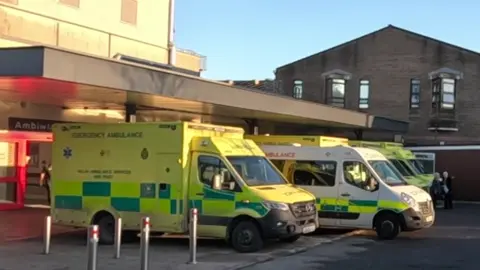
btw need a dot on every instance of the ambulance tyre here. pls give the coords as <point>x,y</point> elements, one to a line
<point>387,226</point>
<point>246,237</point>
<point>106,226</point>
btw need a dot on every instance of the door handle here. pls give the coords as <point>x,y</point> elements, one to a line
<point>200,194</point>
<point>345,194</point>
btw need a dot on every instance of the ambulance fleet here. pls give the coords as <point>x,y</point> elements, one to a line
<point>247,189</point>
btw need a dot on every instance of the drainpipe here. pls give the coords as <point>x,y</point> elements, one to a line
<point>172,52</point>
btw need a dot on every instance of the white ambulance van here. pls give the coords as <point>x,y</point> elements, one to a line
<point>355,188</point>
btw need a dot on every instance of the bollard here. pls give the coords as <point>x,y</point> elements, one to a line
<point>92,247</point>
<point>144,242</point>
<point>47,235</point>
<point>118,237</point>
<point>193,236</point>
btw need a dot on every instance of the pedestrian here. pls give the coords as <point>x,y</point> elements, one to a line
<point>435,189</point>
<point>45,177</point>
<point>448,190</point>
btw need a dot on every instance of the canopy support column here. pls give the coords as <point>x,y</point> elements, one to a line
<point>359,134</point>
<point>130,113</point>
<point>252,126</point>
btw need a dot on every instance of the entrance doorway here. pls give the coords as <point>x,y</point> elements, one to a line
<point>14,161</point>
<point>39,154</point>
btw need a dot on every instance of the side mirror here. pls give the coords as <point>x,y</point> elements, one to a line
<point>217,182</point>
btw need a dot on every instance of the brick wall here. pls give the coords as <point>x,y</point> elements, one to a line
<point>390,58</point>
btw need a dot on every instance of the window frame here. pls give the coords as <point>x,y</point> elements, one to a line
<point>316,162</point>
<point>123,12</point>
<point>225,166</point>
<point>453,83</point>
<point>415,82</point>
<point>339,102</point>
<point>297,89</point>
<point>438,94</point>
<point>353,184</point>
<point>361,100</point>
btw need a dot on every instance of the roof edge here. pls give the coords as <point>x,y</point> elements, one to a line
<point>336,46</point>
<point>390,26</point>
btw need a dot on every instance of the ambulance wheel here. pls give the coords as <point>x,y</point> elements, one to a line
<point>387,226</point>
<point>106,226</point>
<point>290,239</point>
<point>246,237</point>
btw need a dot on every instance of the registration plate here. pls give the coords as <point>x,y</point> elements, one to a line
<point>309,228</point>
<point>429,218</point>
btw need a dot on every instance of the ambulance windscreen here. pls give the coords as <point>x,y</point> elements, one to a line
<point>387,172</point>
<point>256,171</point>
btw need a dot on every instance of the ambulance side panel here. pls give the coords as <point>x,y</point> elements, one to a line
<point>127,170</point>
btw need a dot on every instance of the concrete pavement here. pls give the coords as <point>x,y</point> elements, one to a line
<point>26,223</point>
<point>452,243</point>
<point>68,252</point>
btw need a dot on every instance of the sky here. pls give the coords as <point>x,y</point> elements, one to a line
<point>248,39</point>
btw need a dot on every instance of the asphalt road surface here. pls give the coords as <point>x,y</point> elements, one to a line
<point>452,243</point>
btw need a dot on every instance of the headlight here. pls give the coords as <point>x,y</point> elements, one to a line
<point>408,200</point>
<point>276,205</point>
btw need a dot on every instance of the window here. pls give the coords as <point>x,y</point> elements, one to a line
<point>315,173</point>
<point>402,167</point>
<point>448,94</point>
<point>387,172</point>
<point>414,94</point>
<point>411,168</point>
<point>297,89</point>
<point>209,166</point>
<point>129,11</point>
<point>364,94</point>
<point>428,166</point>
<point>8,167</point>
<point>256,171</point>
<point>279,164</point>
<point>443,93</point>
<point>337,92</point>
<point>73,3</point>
<point>357,174</point>
<point>417,165</point>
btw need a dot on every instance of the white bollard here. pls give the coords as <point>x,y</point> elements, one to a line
<point>92,247</point>
<point>193,235</point>
<point>47,234</point>
<point>144,243</point>
<point>118,237</point>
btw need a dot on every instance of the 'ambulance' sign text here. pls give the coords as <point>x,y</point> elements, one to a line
<point>280,154</point>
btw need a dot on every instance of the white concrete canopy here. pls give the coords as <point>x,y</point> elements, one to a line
<point>59,77</point>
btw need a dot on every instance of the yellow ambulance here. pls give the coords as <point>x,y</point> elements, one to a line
<point>162,170</point>
<point>354,187</point>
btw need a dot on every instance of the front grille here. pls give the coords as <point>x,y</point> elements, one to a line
<point>303,222</point>
<point>304,209</point>
<point>425,208</point>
